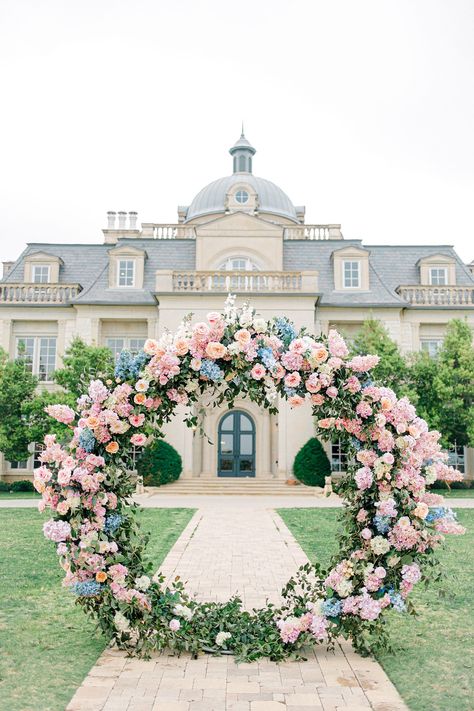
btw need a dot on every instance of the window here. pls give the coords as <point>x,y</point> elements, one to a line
<point>242,196</point>
<point>23,464</point>
<point>438,276</point>
<point>351,275</point>
<point>431,346</point>
<point>126,272</point>
<point>116,345</point>
<point>242,164</point>
<point>338,457</point>
<point>41,273</point>
<point>457,458</point>
<point>39,449</point>
<point>238,264</point>
<point>39,353</point>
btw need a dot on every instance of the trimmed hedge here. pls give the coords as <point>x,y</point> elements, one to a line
<point>159,464</point>
<point>311,463</point>
<point>21,485</point>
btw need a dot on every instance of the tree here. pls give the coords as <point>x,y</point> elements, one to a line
<point>311,463</point>
<point>445,386</point>
<point>392,370</point>
<point>39,424</point>
<point>17,386</point>
<point>82,363</point>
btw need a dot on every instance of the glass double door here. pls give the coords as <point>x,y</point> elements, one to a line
<point>236,445</point>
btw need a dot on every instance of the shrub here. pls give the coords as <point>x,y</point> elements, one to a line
<point>4,486</point>
<point>452,485</point>
<point>22,485</point>
<point>159,464</point>
<point>311,463</point>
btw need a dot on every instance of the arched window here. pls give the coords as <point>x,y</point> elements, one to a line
<point>238,264</point>
<point>239,281</point>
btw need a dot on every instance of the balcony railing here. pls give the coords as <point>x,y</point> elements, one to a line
<point>313,232</point>
<point>238,282</point>
<point>167,231</point>
<point>38,293</point>
<point>455,296</point>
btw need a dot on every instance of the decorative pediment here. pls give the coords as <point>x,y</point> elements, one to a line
<point>437,269</point>
<point>126,250</point>
<point>351,268</point>
<point>40,258</point>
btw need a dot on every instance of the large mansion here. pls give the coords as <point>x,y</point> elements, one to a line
<point>240,234</point>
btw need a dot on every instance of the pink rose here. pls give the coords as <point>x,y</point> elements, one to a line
<point>366,534</point>
<point>139,440</point>
<point>296,400</point>
<point>292,380</point>
<point>174,625</point>
<point>215,350</point>
<point>258,371</point>
<point>242,337</point>
<point>213,317</point>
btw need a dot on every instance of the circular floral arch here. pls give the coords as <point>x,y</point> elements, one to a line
<point>390,524</point>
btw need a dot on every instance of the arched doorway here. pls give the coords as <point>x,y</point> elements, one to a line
<point>236,438</point>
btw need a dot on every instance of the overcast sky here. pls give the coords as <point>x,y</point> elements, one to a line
<point>362,110</point>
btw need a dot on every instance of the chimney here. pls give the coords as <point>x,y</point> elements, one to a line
<point>122,216</point>
<point>111,220</point>
<point>7,267</point>
<point>132,216</point>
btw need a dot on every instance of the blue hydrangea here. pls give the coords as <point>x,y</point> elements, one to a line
<point>211,370</point>
<point>112,523</point>
<point>440,512</point>
<point>128,365</point>
<point>87,440</point>
<point>267,357</point>
<point>382,523</point>
<point>86,588</point>
<point>356,443</point>
<point>397,601</point>
<point>331,608</point>
<point>289,391</point>
<point>285,330</point>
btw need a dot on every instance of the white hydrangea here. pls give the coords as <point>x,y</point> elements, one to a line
<point>143,583</point>
<point>191,386</point>
<point>222,637</point>
<point>260,325</point>
<point>121,622</point>
<point>430,475</point>
<point>344,588</point>
<point>234,348</point>
<point>183,611</point>
<point>379,545</point>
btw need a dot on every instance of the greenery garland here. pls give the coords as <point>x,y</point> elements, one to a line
<point>390,524</point>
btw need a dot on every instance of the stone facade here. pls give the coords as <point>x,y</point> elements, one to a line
<point>240,234</point>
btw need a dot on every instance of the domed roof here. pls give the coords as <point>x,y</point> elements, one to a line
<point>212,199</point>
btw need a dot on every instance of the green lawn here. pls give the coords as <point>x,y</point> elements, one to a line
<point>47,643</point>
<point>457,493</point>
<point>433,666</point>
<point>19,495</point>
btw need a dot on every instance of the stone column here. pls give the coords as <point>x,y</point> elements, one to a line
<point>6,326</point>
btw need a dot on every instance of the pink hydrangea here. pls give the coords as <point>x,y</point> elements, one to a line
<point>411,573</point>
<point>364,478</point>
<point>57,531</point>
<point>61,413</point>
<point>337,345</point>
<point>98,392</point>
<point>363,409</point>
<point>361,364</point>
<point>369,609</point>
<point>319,628</point>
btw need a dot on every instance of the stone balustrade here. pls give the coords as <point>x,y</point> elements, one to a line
<point>236,282</point>
<point>38,293</point>
<point>167,231</point>
<point>454,296</point>
<point>313,232</point>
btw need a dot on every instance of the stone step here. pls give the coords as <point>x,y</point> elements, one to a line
<point>240,487</point>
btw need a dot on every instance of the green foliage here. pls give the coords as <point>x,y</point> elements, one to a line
<point>159,464</point>
<point>22,485</point>
<point>445,386</point>
<point>311,463</point>
<point>81,364</point>
<point>17,386</point>
<point>39,424</point>
<point>392,370</point>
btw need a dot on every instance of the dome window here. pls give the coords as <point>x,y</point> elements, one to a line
<point>238,264</point>
<point>242,196</point>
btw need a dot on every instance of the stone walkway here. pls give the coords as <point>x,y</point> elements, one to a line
<point>245,549</point>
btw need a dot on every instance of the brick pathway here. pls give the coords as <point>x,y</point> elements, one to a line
<point>249,550</point>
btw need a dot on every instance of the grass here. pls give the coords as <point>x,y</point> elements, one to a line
<point>19,495</point>
<point>433,663</point>
<point>456,493</point>
<point>48,644</point>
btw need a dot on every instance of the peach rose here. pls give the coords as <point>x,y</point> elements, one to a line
<point>317,399</point>
<point>215,350</point>
<point>92,422</point>
<point>421,510</point>
<point>296,400</point>
<point>386,403</point>
<point>181,346</point>
<point>101,576</point>
<point>141,386</point>
<point>112,447</point>
<point>319,355</point>
<point>152,347</point>
<point>139,398</point>
<point>242,336</point>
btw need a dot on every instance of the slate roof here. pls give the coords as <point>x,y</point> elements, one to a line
<point>390,267</point>
<point>87,264</point>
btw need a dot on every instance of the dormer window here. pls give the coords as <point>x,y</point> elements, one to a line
<point>351,274</point>
<point>238,264</point>
<point>438,276</point>
<point>241,196</point>
<point>126,272</point>
<point>41,273</point>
